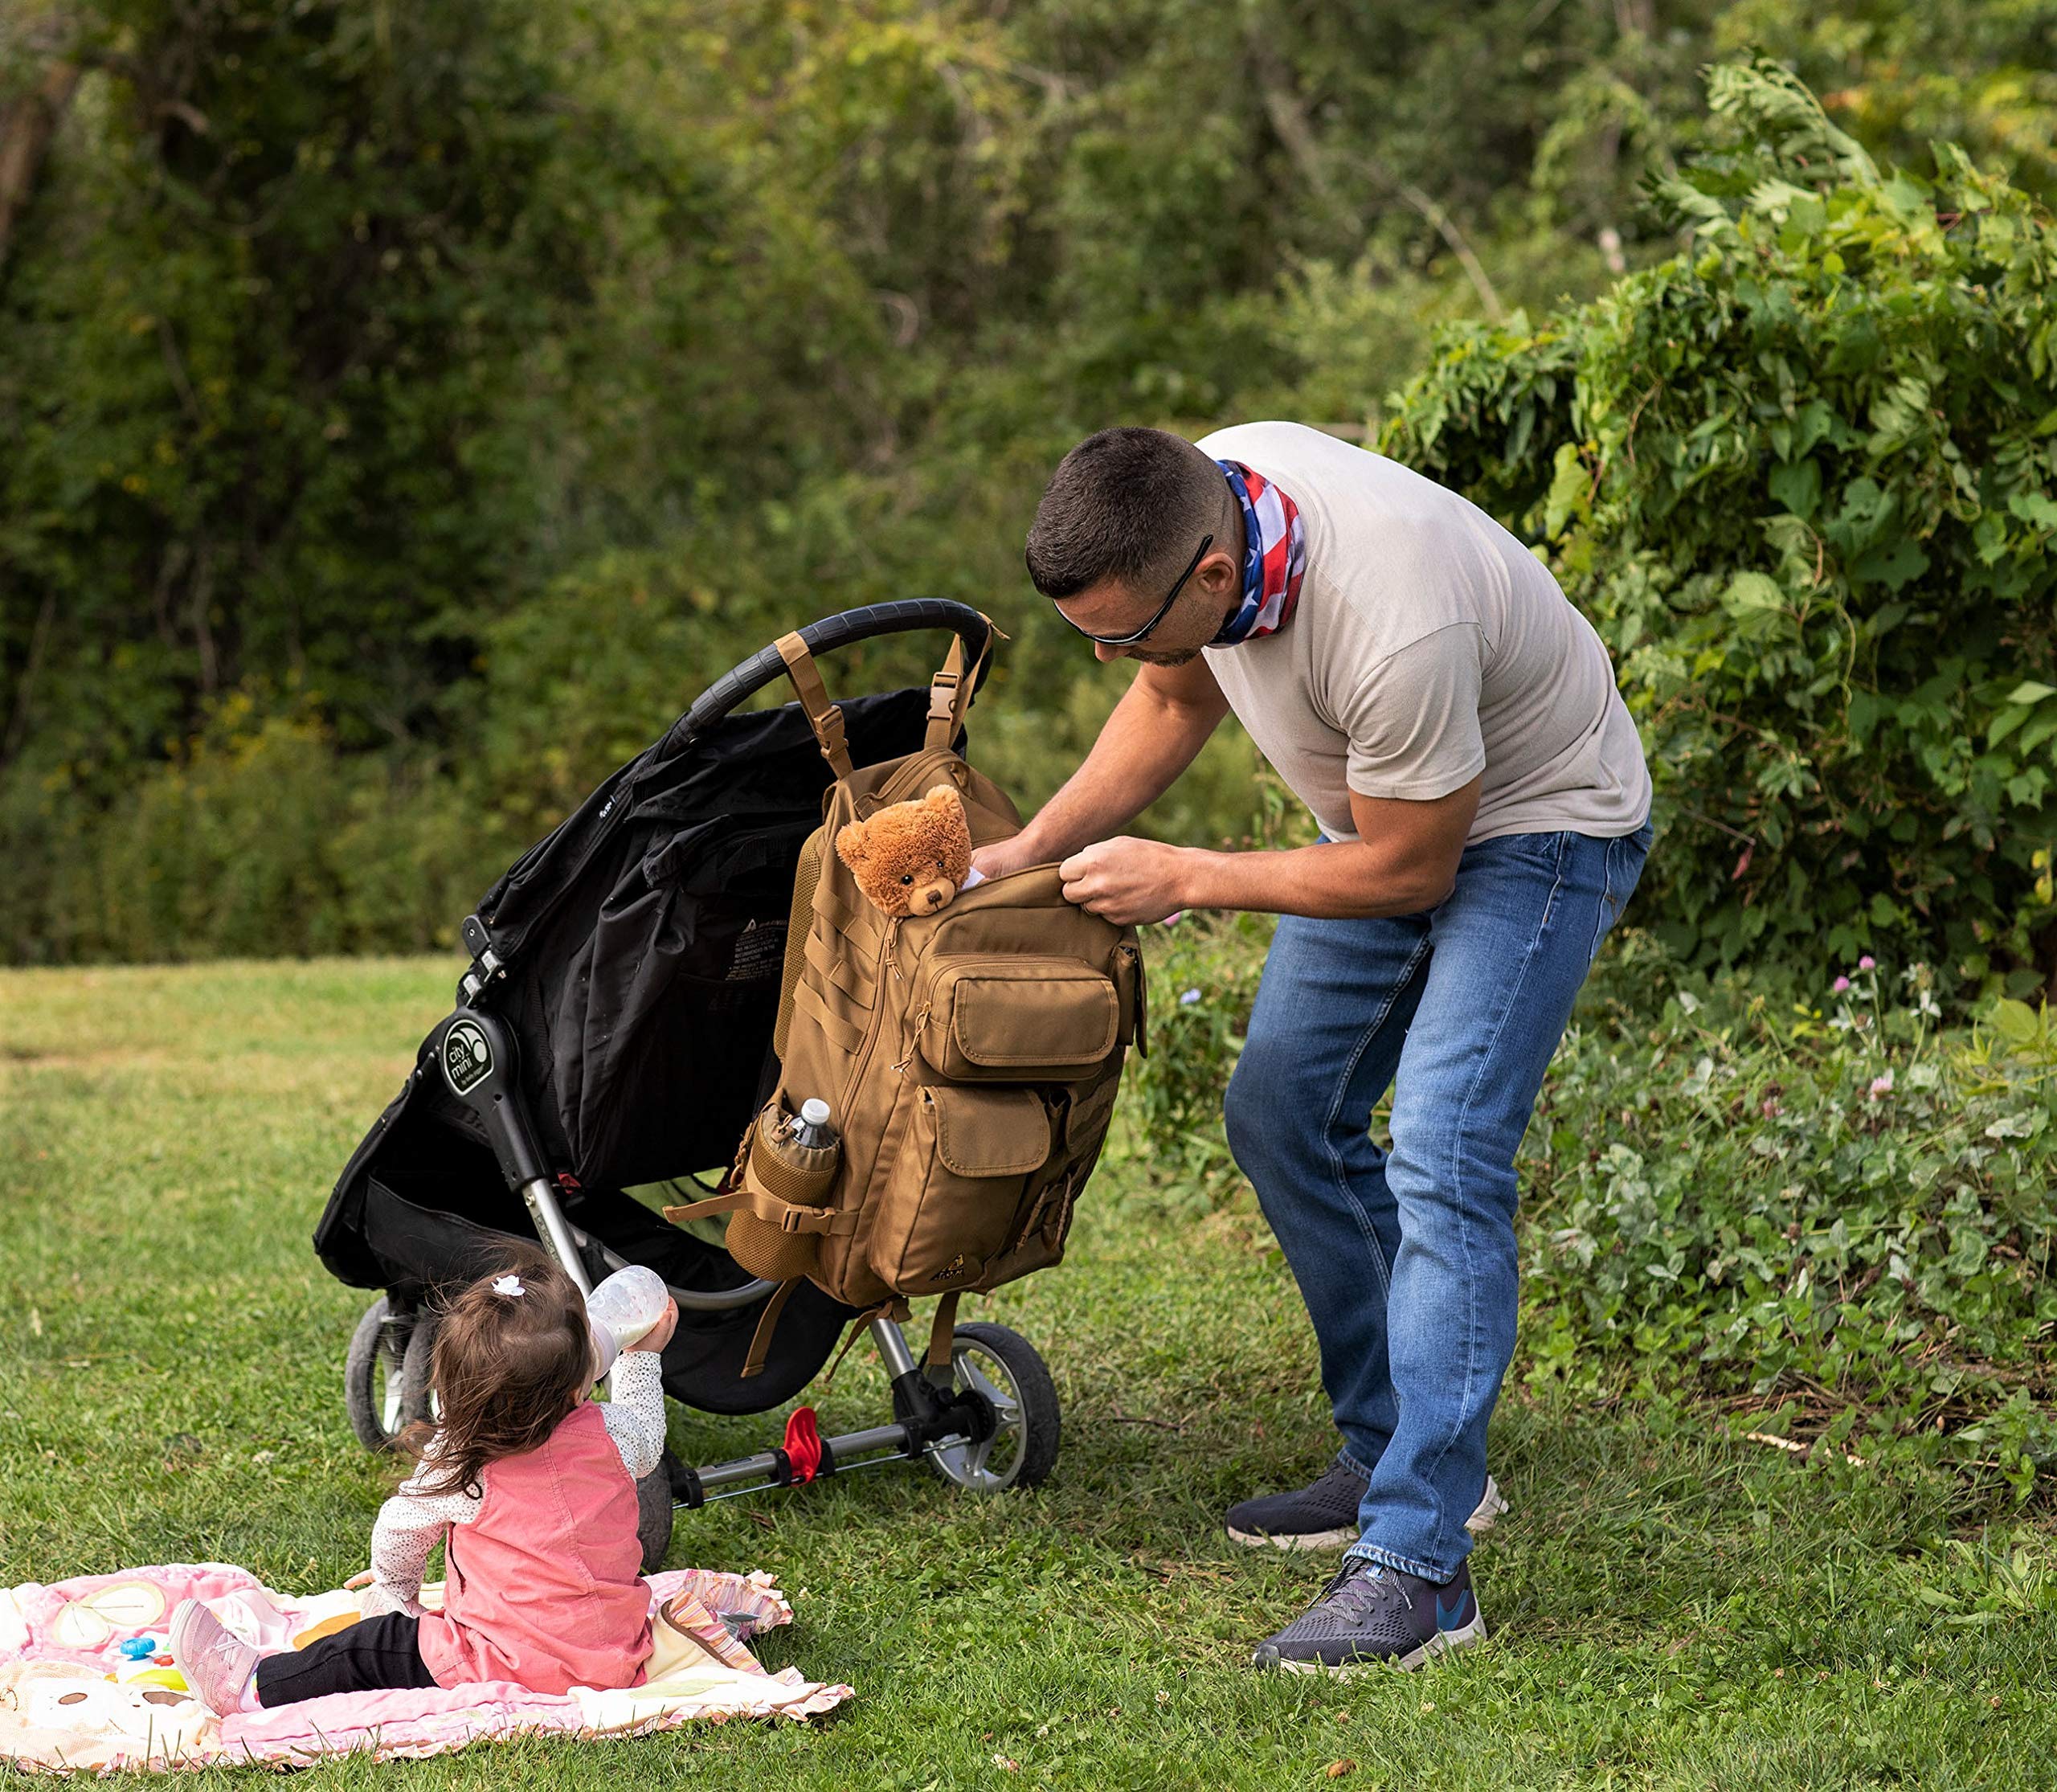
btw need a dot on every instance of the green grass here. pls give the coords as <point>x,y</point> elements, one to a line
<point>1670,1608</point>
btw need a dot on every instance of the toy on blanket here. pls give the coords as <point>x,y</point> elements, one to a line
<point>911,857</point>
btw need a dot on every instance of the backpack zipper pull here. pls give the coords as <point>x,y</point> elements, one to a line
<point>914,1041</point>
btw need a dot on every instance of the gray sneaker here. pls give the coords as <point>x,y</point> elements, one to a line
<point>1372,1616</point>
<point>1324,1516</point>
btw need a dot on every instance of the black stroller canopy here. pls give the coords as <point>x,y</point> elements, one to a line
<point>642,943</point>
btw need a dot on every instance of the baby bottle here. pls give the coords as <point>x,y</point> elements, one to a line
<point>623,1310</point>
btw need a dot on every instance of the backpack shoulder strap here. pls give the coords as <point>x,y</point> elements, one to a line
<point>950,694</point>
<point>760,1339</point>
<point>826,718</point>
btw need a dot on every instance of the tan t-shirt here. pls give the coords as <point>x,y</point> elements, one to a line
<point>1427,645</point>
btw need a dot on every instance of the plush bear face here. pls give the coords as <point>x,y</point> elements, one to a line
<point>911,857</point>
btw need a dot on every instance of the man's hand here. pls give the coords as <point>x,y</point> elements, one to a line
<point>1160,724</point>
<point>1124,880</point>
<point>1004,857</point>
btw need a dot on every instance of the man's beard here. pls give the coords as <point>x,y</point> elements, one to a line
<point>1184,659</point>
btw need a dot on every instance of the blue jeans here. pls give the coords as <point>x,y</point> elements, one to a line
<point>1406,1258</point>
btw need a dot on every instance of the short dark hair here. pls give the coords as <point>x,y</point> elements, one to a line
<point>1124,503</point>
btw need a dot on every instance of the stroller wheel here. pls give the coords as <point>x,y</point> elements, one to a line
<point>373,1374</point>
<point>653,1513</point>
<point>417,1394</point>
<point>1007,1370</point>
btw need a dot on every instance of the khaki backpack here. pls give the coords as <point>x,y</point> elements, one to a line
<point>970,1057</point>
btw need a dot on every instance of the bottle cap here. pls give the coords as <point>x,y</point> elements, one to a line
<point>814,1112</point>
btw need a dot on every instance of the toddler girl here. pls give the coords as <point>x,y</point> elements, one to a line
<point>534,1486</point>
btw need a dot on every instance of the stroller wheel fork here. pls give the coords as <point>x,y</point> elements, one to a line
<point>987,1422</point>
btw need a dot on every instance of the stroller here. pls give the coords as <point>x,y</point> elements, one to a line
<point>614,1030</point>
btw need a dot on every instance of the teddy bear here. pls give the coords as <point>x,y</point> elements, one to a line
<point>911,857</point>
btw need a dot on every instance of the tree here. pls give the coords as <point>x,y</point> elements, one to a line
<point>33,103</point>
<point>1803,478</point>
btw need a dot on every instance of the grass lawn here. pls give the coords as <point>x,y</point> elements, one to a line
<point>1668,1608</point>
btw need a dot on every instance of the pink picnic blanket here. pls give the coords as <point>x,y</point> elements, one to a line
<point>71,1699</point>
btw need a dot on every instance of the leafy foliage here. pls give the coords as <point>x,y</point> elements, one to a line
<point>455,391</point>
<point>1803,479</point>
<point>1830,1205</point>
<point>1204,973</point>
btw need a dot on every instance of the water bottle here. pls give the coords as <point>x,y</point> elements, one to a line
<point>812,1130</point>
<point>793,1158</point>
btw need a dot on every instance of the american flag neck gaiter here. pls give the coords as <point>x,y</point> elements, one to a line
<point>1275,557</point>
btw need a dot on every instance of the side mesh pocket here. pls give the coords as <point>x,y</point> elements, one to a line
<point>951,1197</point>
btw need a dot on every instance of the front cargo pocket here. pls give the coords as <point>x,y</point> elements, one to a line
<point>950,1198</point>
<point>1023,1018</point>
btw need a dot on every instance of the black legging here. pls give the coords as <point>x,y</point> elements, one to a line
<point>374,1654</point>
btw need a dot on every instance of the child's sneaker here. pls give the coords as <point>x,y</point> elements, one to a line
<point>216,1665</point>
<point>1324,1516</point>
<point>1373,1616</point>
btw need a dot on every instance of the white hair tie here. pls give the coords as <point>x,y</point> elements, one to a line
<point>509,1285</point>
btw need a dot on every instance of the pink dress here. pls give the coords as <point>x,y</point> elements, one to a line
<point>543,1587</point>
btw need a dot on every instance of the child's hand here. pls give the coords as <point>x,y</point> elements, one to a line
<point>660,1334</point>
<point>373,1601</point>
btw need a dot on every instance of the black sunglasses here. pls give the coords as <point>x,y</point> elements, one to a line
<point>1164,609</point>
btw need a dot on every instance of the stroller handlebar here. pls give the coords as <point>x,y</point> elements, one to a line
<point>766,665</point>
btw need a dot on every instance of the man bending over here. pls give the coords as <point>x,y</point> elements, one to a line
<point>1421,683</point>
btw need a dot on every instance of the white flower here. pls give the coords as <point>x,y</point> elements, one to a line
<point>509,1285</point>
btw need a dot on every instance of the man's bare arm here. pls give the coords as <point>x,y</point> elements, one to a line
<point>1404,861</point>
<point>1156,730</point>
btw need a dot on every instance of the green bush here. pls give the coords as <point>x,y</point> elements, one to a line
<point>1834,1206</point>
<point>1803,480</point>
<point>1203,970</point>
<point>258,838</point>
<point>387,356</point>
